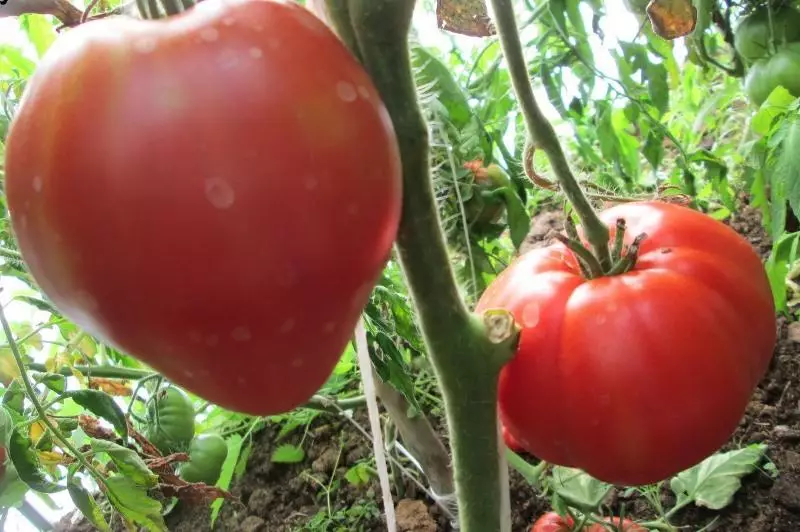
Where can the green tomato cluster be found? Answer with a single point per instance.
(769, 44)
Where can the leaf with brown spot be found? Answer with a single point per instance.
(672, 18)
(466, 17)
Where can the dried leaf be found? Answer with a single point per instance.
(672, 18)
(110, 386)
(466, 17)
(91, 426)
(196, 493)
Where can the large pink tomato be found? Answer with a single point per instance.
(215, 194)
(635, 377)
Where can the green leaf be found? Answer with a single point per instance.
(103, 405)
(657, 86)
(776, 104)
(358, 475)
(519, 222)
(40, 32)
(40, 304)
(14, 396)
(6, 426)
(86, 503)
(134, 504)
(23, 456)
(288, 454)
(54, 381)
(777, 266)
(578, 488)
(714, 481)
(14, 63)
(128, 462)
(432, 73)
(654, 148)
(787, 163)
(236, 460)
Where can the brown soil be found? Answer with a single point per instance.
(283, 498)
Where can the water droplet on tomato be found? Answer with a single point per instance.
(219, 193)
(274, 43)
(346, 91)
(287, 326)
(38, 183)
(329, 327)
(311, 183)
(144, 45)
(600, 319)
(212, 340)
(256, 53)
(363, 91)
(297, 363)
(188, 373)
(352, 209)
(209, 34)
(24, 221)
(228, 21)
(531, 315)
(241, 334)
(228, 59)
(195, 337)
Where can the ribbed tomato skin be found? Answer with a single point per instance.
(636, 377)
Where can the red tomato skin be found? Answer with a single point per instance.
(510, 441)
(215, 194)
(646, 373)
(552, 522)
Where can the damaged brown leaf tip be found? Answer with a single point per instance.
(466, 17)
(672, 18)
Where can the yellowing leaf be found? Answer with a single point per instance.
(87, 346)
(111, 386)
(50, 458)
(8, 366)
(36, 432)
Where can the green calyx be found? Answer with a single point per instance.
(623, 258)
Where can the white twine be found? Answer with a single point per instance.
(365, 365)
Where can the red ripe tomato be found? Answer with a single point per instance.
(215, 194)
(552, 522)
(510, 441)
(626, 526)
(636, 377)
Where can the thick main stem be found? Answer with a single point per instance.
(467, 363)
(542, 133)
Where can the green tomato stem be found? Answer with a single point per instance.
(106, 372)
(586, 260)
(619, 241)
(542, 133)
(37, 405)
(467, 363)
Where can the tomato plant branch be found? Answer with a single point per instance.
(37, 405)
(466, 361)
(108, 372)
(542, 133)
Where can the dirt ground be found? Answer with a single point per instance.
(283, 498)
